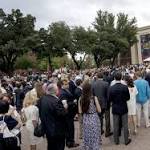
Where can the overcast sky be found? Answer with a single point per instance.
(78, 12)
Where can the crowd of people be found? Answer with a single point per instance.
(47, 107)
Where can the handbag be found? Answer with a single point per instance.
(38, 130)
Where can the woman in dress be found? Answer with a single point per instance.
(13, 113)
(89, 107)
(8, 126)
(132, 104)
(31, 113)
(12, 110)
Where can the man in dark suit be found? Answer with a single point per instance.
(67, 97)
(52, 115)
(147, 77)
(119, 95)
(100, 89)
(108, 77)
(72, 85)
(78, 90)
(78, 93)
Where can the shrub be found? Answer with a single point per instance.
(24, 63)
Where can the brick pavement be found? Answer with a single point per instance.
(139, 142)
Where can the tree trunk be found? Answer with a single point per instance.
(49, 63)
(78, 67)
(76, 63)
(112, 62)
(96, 60)
(81, 62)
(3, 64)
(10, 67)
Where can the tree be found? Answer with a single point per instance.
(59, 62)
(24, 62)
(120, 45)
(62, 40)
(104, 26)
(127, 29)
(43, 47)
(112, 40)
(69, 41)
(79, 45)
(15, 29)
(52, 41)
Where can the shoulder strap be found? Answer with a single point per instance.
(79, 106)
(3, 117)
(3, 125)
(39, 105)
(98, 107)
(93, 97)
(39, 108)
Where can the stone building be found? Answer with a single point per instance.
(141, 50)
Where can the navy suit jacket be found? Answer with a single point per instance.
(119, 95)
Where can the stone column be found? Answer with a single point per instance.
(139, 50)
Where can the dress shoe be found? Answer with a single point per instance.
(129, 141)
(102, 132)
(117, 143)
(109, 134)
(72, 145)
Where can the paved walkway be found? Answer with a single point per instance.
(139, 142)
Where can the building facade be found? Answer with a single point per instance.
(141, 50)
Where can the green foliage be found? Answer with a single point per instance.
(110, 39)
(52, 41)
(24, 63)
(104, 26)
(42, 64)
(79, 44)
(110, 36)
(59, 62)
(15, 29)
(60, 34)
(59, 40)
(89, 62)
(127, 28)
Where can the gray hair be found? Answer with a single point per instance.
(51, 89)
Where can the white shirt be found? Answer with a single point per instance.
(114, 82)
(3, 90)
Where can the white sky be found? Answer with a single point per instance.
(78, 12)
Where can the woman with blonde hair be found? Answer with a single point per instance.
(31, 113)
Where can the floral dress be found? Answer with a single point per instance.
(91, 129)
